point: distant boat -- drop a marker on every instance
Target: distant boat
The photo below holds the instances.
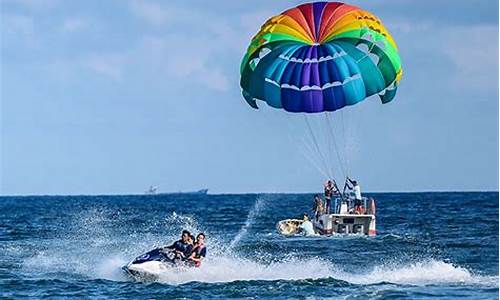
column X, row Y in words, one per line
column 198, row 192
column 153, row 190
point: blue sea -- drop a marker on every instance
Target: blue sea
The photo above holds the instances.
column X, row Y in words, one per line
column 429, row 245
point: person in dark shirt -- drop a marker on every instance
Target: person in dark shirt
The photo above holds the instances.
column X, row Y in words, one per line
column 190, row 246
column 328, row 195
column 317, row 206
column 181, row 246
column 331, row 191
column 199, row 251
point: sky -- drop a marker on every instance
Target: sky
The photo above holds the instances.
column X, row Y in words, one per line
column 110, row 97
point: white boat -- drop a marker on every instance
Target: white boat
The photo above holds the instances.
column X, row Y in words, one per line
column 201, row 192
column 153, row 190
column 345, row 220
column 289, row 226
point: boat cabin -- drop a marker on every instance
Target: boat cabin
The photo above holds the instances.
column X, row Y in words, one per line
column 348, row 218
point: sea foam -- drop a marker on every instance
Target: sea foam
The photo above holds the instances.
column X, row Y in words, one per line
column 96, row 251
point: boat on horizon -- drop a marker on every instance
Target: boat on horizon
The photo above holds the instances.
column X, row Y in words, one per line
column 153, row 190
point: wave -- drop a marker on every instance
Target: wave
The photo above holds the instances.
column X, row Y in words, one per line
column 229, row 269
column 417, row 273
column 96, row 251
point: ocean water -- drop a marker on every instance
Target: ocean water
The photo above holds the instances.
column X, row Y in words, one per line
column 429, row 245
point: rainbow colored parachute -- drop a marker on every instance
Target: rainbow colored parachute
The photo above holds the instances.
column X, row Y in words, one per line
column 320, row 57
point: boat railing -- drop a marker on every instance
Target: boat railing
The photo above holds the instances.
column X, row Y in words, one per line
column 347, row 203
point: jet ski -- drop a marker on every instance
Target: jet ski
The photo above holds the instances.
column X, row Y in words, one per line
column 150, row 265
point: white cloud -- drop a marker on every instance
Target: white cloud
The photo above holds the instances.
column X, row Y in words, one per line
column 251, row 22
column 73, row 24
column 16, row 24
column 195, row 56
column 18, row 32
column 473, row 48
column 149, row 11
column 463, row 58
column 202, row 56
column 215, row 79
column 110, row 65
column 406, row 27
column 33, row 5
column 190, row 60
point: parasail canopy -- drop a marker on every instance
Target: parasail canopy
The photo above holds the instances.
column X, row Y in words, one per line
column 320, row 57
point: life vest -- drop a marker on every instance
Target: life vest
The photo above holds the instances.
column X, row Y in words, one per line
column 359, row 210
column 197, row 252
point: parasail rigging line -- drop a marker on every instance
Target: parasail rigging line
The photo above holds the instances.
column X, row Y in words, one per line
column 329, row 148
column 313, row 137
column 307, row 151
column 332, row 133
column 311, row 160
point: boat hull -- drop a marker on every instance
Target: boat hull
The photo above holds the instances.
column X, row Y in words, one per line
column 150, row 265
column 345, row 224
column 329, row 224
column 150, row 270
column 289, row 226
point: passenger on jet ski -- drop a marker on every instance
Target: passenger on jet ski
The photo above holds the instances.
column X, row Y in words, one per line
column 199, row 251
column 181, row 253
column 182, row 247
column 191, row 242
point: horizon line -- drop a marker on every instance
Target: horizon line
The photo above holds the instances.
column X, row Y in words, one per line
column 246, row 193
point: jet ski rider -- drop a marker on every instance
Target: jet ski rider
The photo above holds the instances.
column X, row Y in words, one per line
column 199, row 251
column 182, row 247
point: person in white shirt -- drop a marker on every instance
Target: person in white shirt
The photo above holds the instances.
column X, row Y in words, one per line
column 307, row 227
column 356, row 189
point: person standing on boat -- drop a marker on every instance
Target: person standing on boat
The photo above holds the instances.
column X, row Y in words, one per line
column 317, row 206
column 330, row 191
column 356, row 189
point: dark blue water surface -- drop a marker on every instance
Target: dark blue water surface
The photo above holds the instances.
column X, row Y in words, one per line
column 428, row 245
